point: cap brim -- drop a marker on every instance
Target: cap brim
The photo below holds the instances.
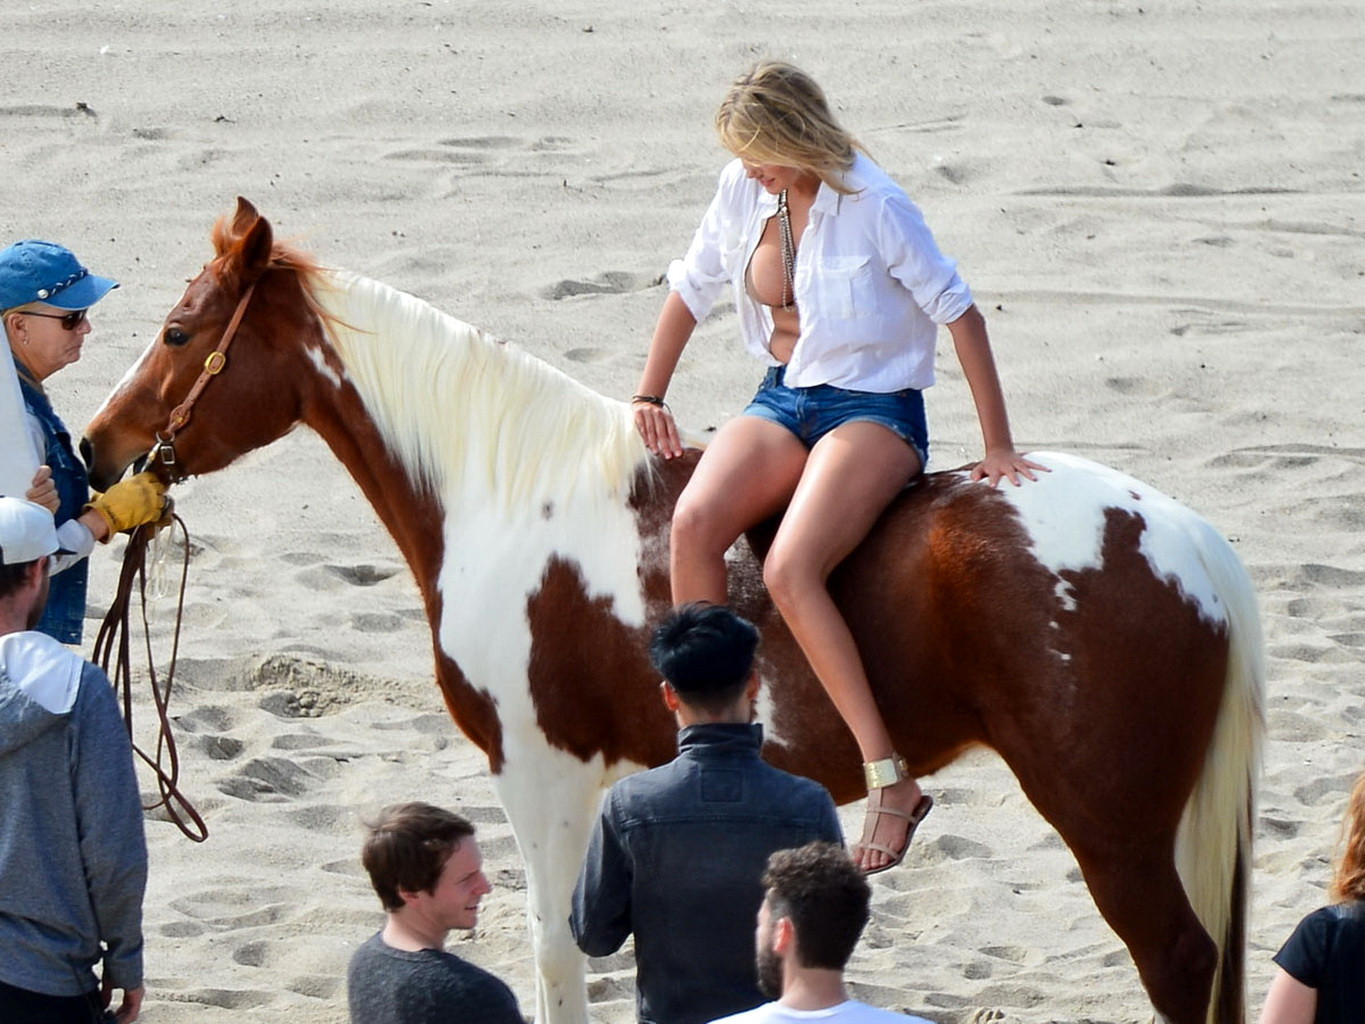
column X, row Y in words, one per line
column 84, row 293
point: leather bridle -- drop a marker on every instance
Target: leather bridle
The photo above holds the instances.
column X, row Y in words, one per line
column 163, row 452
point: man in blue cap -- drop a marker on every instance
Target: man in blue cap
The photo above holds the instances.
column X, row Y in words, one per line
column 45, row 294
column 73, row 859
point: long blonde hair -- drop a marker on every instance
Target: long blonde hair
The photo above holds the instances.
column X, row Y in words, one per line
column 1349, row 881
column 776, row 113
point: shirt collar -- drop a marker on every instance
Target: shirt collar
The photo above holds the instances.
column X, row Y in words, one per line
column 827, row 201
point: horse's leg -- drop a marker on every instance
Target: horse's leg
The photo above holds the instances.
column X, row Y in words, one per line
column 550, row 798
column 1121, row 824
column 1141, row 896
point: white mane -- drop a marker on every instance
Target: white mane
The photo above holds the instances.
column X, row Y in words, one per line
column 466, row 413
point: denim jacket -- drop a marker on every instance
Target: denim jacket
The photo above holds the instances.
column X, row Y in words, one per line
column 65, row 613
column 676, row 858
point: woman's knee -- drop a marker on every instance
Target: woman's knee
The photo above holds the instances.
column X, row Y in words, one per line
column 788, row 576
column 700, row 528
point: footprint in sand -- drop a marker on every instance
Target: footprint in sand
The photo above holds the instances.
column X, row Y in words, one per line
column 268, row 780
column 220, row 748
column 241, row 906
column 609, row 282
column 961, row 848
column 224, row 998
column 306, row 740
column 1328, row 790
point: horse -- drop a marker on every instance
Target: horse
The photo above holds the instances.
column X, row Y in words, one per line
column 1102, row 638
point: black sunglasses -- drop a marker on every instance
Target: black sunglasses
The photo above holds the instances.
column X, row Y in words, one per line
column 70, row 321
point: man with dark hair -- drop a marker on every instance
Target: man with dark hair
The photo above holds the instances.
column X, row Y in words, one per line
column 815, row 904
column 73, row 860
column 677, row 852
column 428, row 872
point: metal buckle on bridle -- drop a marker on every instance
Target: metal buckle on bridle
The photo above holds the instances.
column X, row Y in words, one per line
column 164, row 450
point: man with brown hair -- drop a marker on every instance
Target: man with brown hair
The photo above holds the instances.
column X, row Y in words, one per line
column 428, row 872
column 815, row 905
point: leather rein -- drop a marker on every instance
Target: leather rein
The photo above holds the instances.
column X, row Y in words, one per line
column 114, row 639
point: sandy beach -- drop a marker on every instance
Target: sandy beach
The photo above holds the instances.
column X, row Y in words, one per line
column 1160, row 209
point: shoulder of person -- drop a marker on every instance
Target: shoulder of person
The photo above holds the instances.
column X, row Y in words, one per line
column 42, row 669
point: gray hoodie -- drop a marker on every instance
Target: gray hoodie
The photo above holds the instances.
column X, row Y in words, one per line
column 73, row 859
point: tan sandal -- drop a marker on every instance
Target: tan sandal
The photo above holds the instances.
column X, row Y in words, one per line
column 880, row 774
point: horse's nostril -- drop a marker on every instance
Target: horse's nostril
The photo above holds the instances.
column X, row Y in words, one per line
column 87, row 452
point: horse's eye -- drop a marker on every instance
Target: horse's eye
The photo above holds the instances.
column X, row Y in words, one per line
column 175, row 336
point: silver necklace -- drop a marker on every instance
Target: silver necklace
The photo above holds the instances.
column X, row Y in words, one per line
column 784, row 230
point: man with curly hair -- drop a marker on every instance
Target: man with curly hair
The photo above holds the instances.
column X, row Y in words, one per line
column 815, row 906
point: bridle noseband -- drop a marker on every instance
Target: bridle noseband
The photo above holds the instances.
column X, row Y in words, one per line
column 163, row 451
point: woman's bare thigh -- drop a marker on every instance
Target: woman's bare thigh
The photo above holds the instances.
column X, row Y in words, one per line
column 746, row 475
column 850, row 477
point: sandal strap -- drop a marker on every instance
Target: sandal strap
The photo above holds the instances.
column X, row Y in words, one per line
column 874, row 812
column 886, row 772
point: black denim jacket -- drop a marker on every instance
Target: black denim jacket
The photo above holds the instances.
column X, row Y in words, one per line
column 676, row 857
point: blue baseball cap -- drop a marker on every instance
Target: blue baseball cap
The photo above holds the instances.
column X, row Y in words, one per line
column 34, row 271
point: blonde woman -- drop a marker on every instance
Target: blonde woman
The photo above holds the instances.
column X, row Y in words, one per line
column 1321, row 975
column 840, row 290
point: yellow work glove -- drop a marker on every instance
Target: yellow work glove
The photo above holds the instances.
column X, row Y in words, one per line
column 132, row 502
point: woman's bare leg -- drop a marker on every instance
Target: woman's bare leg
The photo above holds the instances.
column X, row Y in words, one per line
column 746, row 475
column 852, row 474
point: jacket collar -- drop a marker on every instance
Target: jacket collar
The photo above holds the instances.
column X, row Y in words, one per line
column 721, row 738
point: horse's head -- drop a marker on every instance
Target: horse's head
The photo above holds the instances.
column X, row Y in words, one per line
column 213, row 408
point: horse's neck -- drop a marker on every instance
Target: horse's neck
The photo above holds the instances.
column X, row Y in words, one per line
column 469, row 419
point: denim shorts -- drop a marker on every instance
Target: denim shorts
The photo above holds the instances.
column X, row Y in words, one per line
column 811, row 413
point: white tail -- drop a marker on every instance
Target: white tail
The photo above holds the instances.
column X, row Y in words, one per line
column 1213, row 847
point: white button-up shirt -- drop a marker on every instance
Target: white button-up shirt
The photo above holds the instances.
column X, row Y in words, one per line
column 870, row 282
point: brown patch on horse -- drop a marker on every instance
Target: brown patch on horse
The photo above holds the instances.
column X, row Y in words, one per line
column 589, row 675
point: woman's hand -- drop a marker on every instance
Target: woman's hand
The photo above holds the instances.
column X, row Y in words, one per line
column 43, row 490
column 1006, row 464
column 655, row 424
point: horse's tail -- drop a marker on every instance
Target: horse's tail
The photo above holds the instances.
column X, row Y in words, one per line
column 1213, row 847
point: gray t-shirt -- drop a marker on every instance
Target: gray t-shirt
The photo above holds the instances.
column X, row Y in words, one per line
column 393, row 986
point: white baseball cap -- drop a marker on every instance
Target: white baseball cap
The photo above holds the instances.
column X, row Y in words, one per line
column 27, row 532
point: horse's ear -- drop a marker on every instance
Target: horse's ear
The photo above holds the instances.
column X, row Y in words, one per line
column 244, row 217
column 251, row 253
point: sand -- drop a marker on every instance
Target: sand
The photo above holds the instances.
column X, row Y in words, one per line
column 1160, row 209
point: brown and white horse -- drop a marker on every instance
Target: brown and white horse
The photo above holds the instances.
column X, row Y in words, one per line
column 1102, row 638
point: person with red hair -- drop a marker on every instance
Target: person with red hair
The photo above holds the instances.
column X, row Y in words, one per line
column 1321, row 975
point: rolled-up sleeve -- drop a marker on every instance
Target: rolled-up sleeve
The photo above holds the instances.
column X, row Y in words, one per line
column 601, row 916
column 913, row 258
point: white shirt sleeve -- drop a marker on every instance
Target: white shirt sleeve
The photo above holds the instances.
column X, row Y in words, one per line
column 913, row 258
column 701, row 275
column 75, row 537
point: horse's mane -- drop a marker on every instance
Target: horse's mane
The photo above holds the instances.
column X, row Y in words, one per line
column 466, row 415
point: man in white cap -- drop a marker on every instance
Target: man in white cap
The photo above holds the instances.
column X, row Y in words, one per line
column 73, row 859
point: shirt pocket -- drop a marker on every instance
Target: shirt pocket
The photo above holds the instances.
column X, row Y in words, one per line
column 842, row 288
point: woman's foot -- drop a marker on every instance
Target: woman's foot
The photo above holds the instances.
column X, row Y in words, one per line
column 893, row 813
